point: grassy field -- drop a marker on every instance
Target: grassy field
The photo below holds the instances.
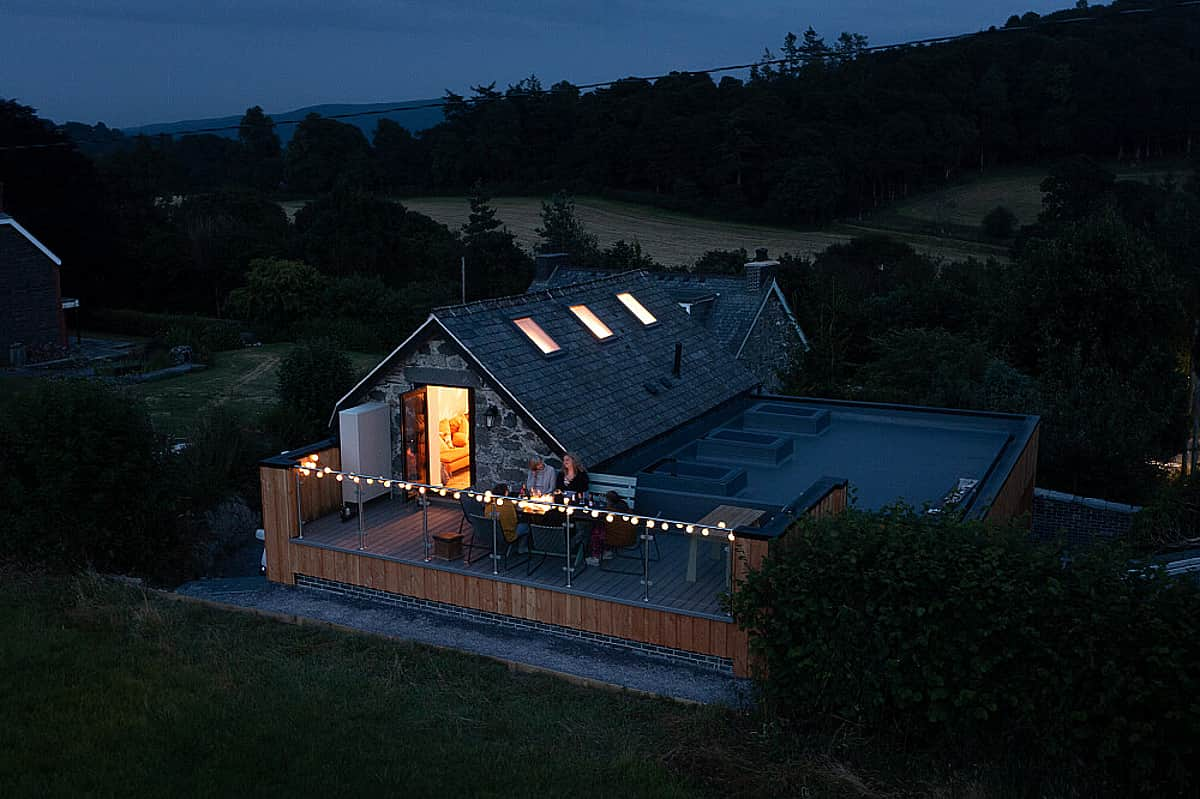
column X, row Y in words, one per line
column 964, row 204
column 108, row 691
column 243, row 379
column 671, row 238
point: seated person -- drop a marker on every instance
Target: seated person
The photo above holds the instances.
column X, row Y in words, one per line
column 540, row 479
column 574, row 477
column 600, row 530
column 512, row 530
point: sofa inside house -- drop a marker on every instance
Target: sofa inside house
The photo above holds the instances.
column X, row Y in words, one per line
column 456, row 445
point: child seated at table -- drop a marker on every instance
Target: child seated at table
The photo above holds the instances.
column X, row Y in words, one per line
column 600, row 545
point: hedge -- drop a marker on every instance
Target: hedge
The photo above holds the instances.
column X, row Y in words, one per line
column 969, row 638
column 202, row 332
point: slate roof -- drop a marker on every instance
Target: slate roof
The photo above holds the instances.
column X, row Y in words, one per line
column 600, row 398
column 721, row 303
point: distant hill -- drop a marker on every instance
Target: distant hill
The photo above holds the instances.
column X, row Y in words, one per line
column 415, row 120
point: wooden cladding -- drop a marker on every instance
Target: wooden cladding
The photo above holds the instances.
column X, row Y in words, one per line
column 831, row 504
column 1015, row 497
column 318, row 497
column 532, row 603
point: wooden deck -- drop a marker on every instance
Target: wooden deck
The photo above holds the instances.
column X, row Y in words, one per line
column 394, row 532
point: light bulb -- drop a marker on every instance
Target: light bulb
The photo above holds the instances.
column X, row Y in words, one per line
column 340, row 478
column 328, row 470
column 650, row 524
column 704, row 531
column 387, row 483
column 442, row 492
column 320, row 474
column 421, row 489
column 633, row 520
column 721, row 525
column 595, row 514
column 691, row 528
column 357, row 480
column 314, row 457
column 608, row 518
column 731, row 536
column 458, row 495
column 370, row 482
column 487, row 496
column 499, row 501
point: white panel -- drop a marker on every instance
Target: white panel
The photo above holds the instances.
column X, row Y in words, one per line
column 365, row 433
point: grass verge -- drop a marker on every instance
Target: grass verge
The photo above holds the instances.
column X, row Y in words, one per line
column 108, row 690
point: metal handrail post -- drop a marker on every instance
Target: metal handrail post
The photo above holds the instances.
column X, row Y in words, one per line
column 646, row 583
column 495, row 552
column 569, row 569
column 424, row 501
column 362, row 531
column 299, row 510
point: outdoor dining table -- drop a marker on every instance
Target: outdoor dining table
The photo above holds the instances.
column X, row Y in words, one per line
column 733, row 516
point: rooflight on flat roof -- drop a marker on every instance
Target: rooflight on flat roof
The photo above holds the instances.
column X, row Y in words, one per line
column 636, row 308
column 538, row 336
column 591, row 321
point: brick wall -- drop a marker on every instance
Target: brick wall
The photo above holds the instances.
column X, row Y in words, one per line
column 501, row 452
column 1081, row 521
column 29, row 297
column 771, row 344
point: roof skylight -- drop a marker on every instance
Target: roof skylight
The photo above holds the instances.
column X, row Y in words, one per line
column 591, row 321
column 539, row 337
column 636, row 308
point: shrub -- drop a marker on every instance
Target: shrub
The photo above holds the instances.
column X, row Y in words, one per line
column 966, row 635
column 999, row 223
column 312, row 378
column 83, row 482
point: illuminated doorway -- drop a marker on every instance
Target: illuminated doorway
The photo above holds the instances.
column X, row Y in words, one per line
column 448, row 410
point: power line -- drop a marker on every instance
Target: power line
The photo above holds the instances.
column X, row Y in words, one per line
column 513, row 94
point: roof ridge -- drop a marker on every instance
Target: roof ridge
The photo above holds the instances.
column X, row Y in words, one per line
column 512, row 300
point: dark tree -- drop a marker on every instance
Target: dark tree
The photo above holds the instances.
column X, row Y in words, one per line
column 261, row 150
column 563, row 231
column 325, row 154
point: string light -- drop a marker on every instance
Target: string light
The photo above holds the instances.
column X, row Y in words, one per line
column 539, row 504
column 314, row 457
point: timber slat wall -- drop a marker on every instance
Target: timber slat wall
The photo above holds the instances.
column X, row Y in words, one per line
column 1015, row 497
column 319, row 497
column 647, row 625
column 831, row 504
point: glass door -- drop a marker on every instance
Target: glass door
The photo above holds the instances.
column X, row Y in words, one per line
column 414, row 418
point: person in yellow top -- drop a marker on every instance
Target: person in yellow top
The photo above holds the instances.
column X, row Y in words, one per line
column 513, row 530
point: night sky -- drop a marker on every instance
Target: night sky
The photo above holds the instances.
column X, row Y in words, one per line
column 129, row 62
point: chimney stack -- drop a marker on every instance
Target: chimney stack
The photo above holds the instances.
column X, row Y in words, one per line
column 545, row 264
column 760, row 271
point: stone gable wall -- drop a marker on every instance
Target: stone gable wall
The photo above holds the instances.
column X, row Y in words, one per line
column 771, row 344
column 500, row 452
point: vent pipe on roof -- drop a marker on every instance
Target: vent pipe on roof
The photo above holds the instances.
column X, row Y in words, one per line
column 678, row 358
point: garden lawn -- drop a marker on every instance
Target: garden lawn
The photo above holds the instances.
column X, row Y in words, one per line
column 244, row 380
column 109, row 691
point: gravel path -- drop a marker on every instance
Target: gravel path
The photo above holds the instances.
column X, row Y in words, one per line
column 618, row 667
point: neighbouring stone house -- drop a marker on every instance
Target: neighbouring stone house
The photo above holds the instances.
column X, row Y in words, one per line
column 747, row 314
column 30, row 296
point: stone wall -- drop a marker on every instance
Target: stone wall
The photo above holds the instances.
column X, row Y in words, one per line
column 501, row 452
column 1080, row 521
column 771, row 344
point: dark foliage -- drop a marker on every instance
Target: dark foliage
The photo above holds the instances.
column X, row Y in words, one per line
column 969, row 639
column 999, row 223
column 312, row 378
column 84, row 482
